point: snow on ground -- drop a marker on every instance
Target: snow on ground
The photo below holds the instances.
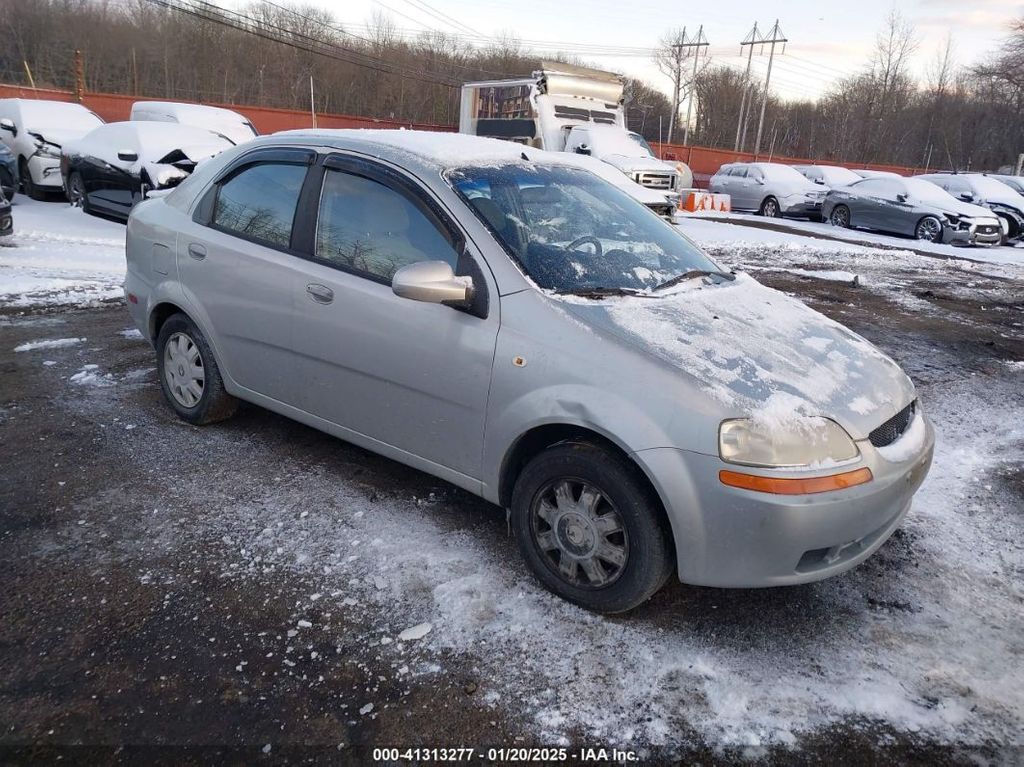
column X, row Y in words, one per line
column 993, row 255
column 59, row 255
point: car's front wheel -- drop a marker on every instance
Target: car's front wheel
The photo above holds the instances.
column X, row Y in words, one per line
column 189, row 375
column 28, row 186
column 770, row 208
column 929, row 229
column 840, row 217
column 76, row 192
column 590, row 529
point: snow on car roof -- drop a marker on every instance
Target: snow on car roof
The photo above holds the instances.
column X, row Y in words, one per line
column 152, row 139
column 182, row 109
column 442, row 149
column 66, row 115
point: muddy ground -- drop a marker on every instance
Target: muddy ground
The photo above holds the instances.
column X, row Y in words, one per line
column 124, row 625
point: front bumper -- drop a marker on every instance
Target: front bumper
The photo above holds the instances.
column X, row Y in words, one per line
column 45, row 171
column 973, row 234
column 801, row 207
column 733, row 538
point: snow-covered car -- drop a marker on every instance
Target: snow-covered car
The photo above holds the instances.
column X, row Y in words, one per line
column 988, row 192
column 6, row 217
column 828, row 176
column 869, row 173
column 234, row 127
column 914, row 207
column 35, row 130
column 512, row 324
column 1016, row 183
column 769, row 189
column 8, row 172
column 117, row 165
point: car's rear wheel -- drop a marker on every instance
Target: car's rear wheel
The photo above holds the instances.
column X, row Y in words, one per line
column 840, row 217
column 770, row 208
column 929, row 229
column 28, row 186
column 189, row 375
column 76, row 192
column 590, row 528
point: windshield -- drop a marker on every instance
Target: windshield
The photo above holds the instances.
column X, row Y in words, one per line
column 835, row 176
column 570, row 231
column 642, row 142
column 990, row 188
column 926, row 191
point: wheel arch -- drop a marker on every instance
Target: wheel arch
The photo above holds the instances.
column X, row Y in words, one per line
column 537, row 439
column 159, row 314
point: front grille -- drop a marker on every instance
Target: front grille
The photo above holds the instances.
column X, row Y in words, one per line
column 656, row 180
column 988, row 229
column 893, row 429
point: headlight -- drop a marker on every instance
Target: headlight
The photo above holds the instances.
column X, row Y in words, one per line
column 46, row 149
column 802, row 443
column 954, row 220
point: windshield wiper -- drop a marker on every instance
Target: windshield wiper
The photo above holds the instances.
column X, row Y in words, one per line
column 693, row 274
column 602, row 292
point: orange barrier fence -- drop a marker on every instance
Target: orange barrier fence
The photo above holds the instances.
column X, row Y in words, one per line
column 112, row 107
column 703, row 161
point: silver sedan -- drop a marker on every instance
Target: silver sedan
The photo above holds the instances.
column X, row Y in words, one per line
column 532, row 334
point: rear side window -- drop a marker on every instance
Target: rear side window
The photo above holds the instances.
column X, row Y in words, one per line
column 259, row 202
column 373, row 230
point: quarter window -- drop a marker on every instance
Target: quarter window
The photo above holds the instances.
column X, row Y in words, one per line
column 259, row 202
column 374, row 230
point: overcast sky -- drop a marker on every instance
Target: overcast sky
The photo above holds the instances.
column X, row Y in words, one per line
column 827, row 38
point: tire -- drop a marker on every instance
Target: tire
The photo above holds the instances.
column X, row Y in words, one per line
column 1012, row 230
column 179, row 342
column 770, row 208
column 76, row 192
column 928, row 229
column 28, row 186
column 559, row 534
column 8, row 184
column 840, row 216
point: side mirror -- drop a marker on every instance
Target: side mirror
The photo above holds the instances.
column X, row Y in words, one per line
column 967, row 197
column 901, row 198
column 127, row 155
column 819, row 181
column 583, row 149
column 8, row 125
column 759, row 181
column 433, row 282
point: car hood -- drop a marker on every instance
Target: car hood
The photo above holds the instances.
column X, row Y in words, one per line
column 59, row 136
column 634, row 164
column 758, row 352
column 1014, row 201
column 968, row 209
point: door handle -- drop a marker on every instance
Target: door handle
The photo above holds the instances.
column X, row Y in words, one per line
column 197, row 251
column 320, row 293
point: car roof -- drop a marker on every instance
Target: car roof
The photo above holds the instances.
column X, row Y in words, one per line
column 438, row 149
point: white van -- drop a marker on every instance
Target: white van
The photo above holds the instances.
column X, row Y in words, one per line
column 231, row 125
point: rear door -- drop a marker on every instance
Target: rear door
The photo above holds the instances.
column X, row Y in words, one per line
column 238, row 264
column 411, row 375
column 741, row 186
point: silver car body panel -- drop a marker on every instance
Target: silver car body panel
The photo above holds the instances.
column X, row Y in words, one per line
column 452, row 394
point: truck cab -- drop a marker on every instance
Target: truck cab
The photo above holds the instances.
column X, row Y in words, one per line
column 565, row 108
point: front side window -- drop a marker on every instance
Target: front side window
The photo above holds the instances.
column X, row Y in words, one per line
column 259, row 202
column 371, row 229
column 570, row 231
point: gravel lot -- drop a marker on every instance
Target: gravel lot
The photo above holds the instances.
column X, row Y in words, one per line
column 247, row 584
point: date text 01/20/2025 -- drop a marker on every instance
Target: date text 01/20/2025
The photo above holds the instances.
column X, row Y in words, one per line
column 516, row 754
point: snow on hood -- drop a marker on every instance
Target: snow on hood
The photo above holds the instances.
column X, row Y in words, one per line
column 632, row 164
column 760, row 353
column 59, row 136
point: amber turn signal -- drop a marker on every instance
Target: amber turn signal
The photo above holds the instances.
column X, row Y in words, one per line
column 799, row 486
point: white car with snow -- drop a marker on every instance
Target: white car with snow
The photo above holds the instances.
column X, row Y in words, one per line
column 769, row 189
column 117, row 165
column 35, row 130
column 828, row 176
column 234, row 127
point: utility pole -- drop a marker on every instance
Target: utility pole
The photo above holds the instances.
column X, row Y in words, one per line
column 775, row 37
column 79, row 77
column 700, row 41
column 752, row 39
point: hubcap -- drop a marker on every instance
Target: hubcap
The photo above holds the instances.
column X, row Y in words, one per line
column 770, row 209
column 839, row 217
column 183, row 370
column 579, row 533
column 929, row 229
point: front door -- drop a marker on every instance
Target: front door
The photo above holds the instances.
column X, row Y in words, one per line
column 412, row 375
